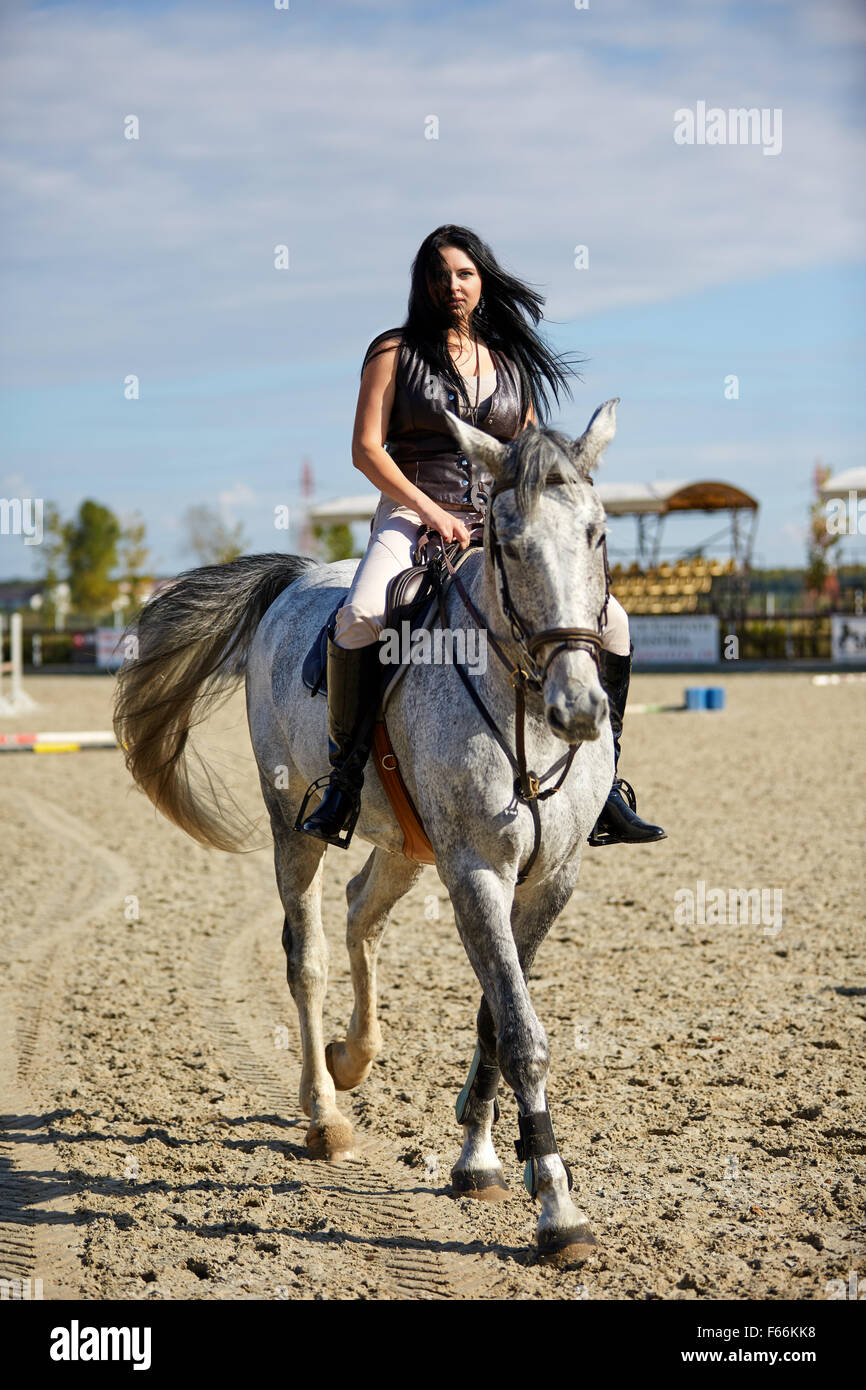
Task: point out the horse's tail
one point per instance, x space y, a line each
188 652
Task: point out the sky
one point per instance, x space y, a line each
305 127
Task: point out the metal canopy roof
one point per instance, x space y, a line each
344 510
661 498
852 480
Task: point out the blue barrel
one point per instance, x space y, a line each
715 697
696 697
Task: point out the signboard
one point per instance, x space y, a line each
848 638
674 639
83 651
108 655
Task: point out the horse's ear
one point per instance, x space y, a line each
480 447
588 449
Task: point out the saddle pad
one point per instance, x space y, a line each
314 671
315 666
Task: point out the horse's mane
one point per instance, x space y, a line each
538 452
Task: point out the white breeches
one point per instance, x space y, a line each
392 540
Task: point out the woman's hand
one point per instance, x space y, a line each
449 526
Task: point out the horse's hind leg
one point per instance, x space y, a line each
371 895
298 860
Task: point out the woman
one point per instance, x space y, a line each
468 346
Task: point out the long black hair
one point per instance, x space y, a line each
504 319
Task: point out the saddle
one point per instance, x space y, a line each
411 597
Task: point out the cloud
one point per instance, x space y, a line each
14 485
237 495
556 129
306 127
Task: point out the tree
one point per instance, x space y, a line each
51 554
821 541
210 540
91 551
337 540
51 558
133 558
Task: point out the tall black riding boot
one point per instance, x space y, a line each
353 687
619 822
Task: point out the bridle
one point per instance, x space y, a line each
567 638
526 783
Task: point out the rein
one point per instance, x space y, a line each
526 783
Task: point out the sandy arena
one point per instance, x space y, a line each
706 1079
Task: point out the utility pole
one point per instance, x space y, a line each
306 544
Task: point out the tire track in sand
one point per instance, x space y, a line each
37 1208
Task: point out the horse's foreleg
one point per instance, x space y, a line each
298 861
371 894
563 1232
478 1172
482 910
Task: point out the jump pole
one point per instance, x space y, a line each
79 742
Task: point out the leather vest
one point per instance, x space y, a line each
420 441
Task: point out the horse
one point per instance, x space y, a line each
507 848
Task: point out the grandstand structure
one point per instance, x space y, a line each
687 586
693 582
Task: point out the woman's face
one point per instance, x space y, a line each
460 287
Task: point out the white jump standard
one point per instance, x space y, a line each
17 701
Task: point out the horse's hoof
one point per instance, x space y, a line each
333 1141
337 1062
566 1249
487 1186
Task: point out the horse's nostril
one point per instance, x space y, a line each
577 724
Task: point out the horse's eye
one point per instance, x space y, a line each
511 550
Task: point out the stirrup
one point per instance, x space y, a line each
341 839
604 837
611 837
628 791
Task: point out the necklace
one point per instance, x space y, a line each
473 413
473 410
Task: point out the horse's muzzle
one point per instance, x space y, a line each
577 715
